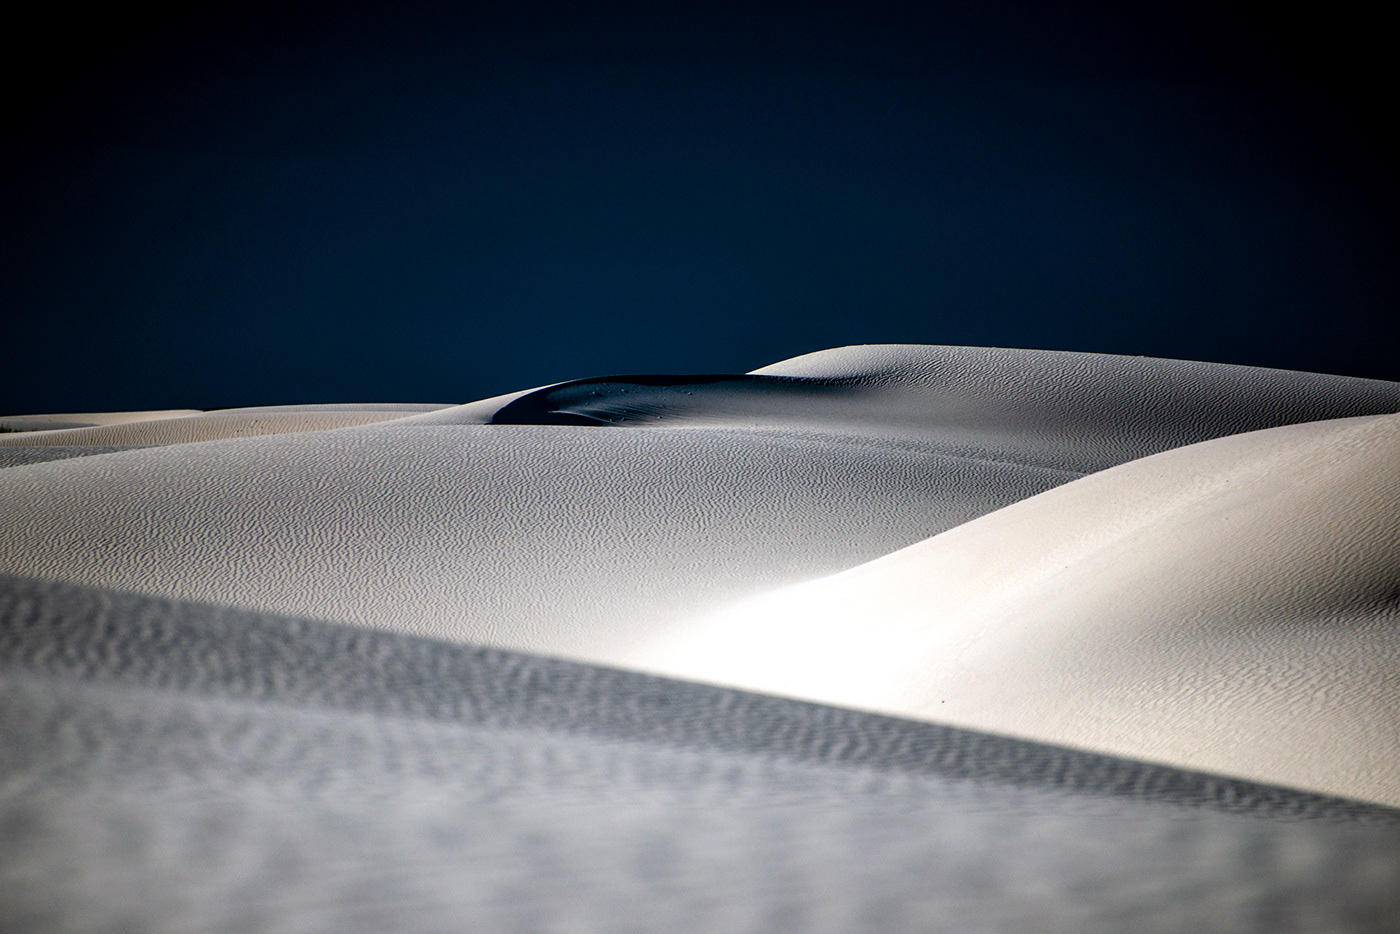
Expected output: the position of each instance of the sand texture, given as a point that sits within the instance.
(19, 455)
(551, 539)
(169, 766)
(142, 429)
(87, 419)
(1221, 605)
(1077, 410)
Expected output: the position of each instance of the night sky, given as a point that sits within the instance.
(243, 205)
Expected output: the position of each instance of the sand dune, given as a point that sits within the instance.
(1070, 411)
(1081, 410)
(540, 538)
(578, 541)
(177, 767)
(1232, 606)
(479, 412)
(86, 419)
(520, 522)
(185, 427)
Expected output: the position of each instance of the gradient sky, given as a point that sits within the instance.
(251, 205)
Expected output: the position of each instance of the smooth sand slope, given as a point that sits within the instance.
(1232, 606)
(142, 429)
(552, 539)
(542, 531)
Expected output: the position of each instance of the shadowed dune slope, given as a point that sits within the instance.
(1070, 411)
(18, 456)
(170, 766)
(479, 412)
(1232, 606)
(555, 539)
(1079, 411)
(209, 426)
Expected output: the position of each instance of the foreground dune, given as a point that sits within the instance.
(180, 767)
(1225, 604)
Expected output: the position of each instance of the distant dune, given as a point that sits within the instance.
(140, 429)
(1182, 562)
(86, 419)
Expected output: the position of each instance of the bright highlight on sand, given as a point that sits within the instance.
(1230, 606)
(1185, 563)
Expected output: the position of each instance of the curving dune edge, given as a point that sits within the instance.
(1231, 606)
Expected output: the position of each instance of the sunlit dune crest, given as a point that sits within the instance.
(1231, 606)
(70, 420)
(140, 429)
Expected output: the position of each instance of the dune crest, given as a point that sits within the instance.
(1232, 606)
(63, 420)
(190, 426)
(1055, 409)
(479, 412)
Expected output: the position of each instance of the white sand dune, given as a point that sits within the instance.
(1070, 411)
(479, 412)
(87, 419)
(134, 429)
(510, 522)
(176, 767)
(1081, 411)
(553, 539)
(1232, 606)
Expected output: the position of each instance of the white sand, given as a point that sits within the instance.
(87, 419)
(185, 427)
(622, 546)
(557, 540)
(1232, 606)
(472, 413)
(1080, 411)
(1071, 411)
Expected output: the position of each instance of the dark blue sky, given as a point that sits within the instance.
(407, 202)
